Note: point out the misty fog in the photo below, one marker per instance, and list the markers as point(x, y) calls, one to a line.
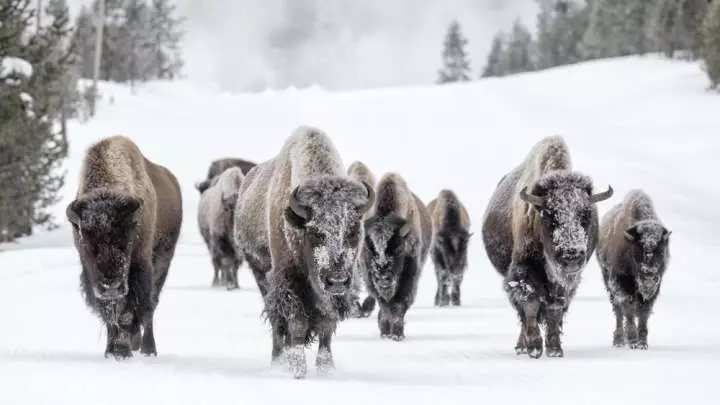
point(241, 45)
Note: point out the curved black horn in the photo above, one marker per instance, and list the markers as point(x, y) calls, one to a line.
point(298, 208)
point(531, 198)
point(370, 198)
point(72, 212)
point(602, 196)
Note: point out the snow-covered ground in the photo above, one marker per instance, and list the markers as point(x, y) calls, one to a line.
point(637, 122)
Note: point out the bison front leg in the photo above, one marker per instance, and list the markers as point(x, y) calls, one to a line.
point(397, 321)
point(279, 341)
point(619, 333)
point(442, 297)
point(631, 332)
point(643, 313)
point(144, 301)
point(384, 315)
point(298, 327)
point(324, 362)
point(554, 316)
point(118, 343)
point(455, 294)
point(524, 298)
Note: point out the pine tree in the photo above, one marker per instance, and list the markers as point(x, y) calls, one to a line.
point(617, 28)
point(113, 66)
point(677, 27)
point(711, 43)
point(519, 50)
point(496, 57)
point(31, 145)
point(83, 41)
point(664, 27)
point(136, 44)
point(691, 15)
point(456, 66)
point(165, 37)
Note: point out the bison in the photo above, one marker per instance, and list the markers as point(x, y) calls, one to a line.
point(451, 234)
point(220, 165)
point(216, 220)
point(126, 220)
point(397, 241)
point(299, 225)
point(360, 172)
point(539, 230)
point(633, 252)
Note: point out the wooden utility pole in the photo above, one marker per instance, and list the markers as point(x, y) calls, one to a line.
point(99, 26)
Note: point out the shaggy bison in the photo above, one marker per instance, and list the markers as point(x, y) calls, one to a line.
point(633, 252)
point(299, 224)
point(397, 241)
point(126, 220)
point(539, 230)
point(360, 172)
point(451, 233)
point(219, 166)
point(215, 220)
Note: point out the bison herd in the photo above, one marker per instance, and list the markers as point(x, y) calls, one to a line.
point(316, 235)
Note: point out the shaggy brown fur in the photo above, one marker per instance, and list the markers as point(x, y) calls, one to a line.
point(303, 256)
point(216, 216)
point(633, 252)
point(219, 166)
point(539, 230)
point(360, 172)
point(126, 221)
point(451, 234)
point(397, 241)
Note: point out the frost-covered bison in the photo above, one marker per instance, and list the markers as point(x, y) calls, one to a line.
point(539, 230)
point(397, 241)
point(220, 165)
point(451, 234)
point(633, 252)
point(299, 224)
point(216, 216)
point(126, 220)
point(360, 172)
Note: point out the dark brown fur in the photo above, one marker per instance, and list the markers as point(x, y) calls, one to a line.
point(220, 165)
point(451, 234)
point(540, 230)
point(633, 252)
point(126, 221)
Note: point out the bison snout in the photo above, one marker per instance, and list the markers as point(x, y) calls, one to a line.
point(110, 289)
point(572, 257)
point(338, 283)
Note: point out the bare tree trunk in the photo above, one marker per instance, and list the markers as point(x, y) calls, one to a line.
point(38, 15)
point(100, 25)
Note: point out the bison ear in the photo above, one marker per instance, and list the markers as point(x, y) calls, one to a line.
point(201, 186)
point(631, 234)
point(666, 235)
point(74, 211)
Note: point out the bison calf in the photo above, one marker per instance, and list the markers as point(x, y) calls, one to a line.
point(397, 241)
point(126, 220)
point(215, 220)
point(220, 165)
point(633, 252)
point(451, 233)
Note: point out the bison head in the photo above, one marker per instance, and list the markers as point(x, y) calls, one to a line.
point(649, 242)
point(451, 246)
point(324, 218)
point(104, 228)
point(567, 220)
point(384, 251)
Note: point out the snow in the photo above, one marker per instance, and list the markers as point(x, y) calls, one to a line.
point(632, 123)
point(10, 65)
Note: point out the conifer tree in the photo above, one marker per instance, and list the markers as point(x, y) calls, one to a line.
point(456, 66)
point(496, 57)
point(711, 43)
point(165, 36)
point(519, 50)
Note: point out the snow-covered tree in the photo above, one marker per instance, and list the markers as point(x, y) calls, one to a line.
point(518, 55)
point(456, 66)
point(136, 43)
point(83, 41)
point(165, 36)
point(32, 144)
point(617, 28)
point(711, 43)
point(664, 27)
point(676, 27)
point(561, 26)
point(494, 65)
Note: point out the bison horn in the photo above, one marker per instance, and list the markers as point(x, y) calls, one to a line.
point(297, 207)
point(407, 226)
point(72, 212)
point(370, 198)
point(531, 198)
point(602, 196)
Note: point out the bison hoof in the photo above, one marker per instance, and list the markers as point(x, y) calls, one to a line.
point(639, 346)
point(535, 352)
point(119, 353)
point(520, 350)
point(555, 352)
point(324, 362)
point(397, 338)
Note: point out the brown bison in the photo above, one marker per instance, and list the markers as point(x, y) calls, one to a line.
point(126, 220)
point(360, 172)
point(219, 166)
point(216, 219)
point(299, 224)
point(397, 241)
point(451, 234)
point(633, 252)
point(540, 230)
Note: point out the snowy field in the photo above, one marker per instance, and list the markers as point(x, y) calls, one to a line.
point(630, 123)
